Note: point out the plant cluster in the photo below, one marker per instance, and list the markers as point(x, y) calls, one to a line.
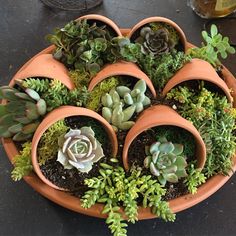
point(215, 44)
point(122, 97)
point(165, 161)
point(215, 118)
point(114, 189)
point(55, 93)
point(22, 163)
point(21, 115)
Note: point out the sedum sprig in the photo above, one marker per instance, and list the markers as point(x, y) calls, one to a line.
point(194, 179)
point(22, 162)
point(215, 45)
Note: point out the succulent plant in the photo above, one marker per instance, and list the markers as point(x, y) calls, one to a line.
point(166, 161)
point(155, 43)
point(19, 118)
point(80, 149)
point(120, 104)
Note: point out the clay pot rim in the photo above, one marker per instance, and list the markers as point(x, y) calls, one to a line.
point(185, 124)
point(218, 82)
point(178, 204)
point(164, 20)
point(103, 19)
point(127, 72)
point(60, 114)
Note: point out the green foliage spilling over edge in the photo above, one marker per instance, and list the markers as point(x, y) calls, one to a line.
point(114, 189)
point(22, 161)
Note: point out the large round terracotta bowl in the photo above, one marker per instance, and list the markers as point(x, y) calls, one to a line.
point(68, 201)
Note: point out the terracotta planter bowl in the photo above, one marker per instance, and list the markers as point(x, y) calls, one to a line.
point(59, 114)
point(73, 203)
point(121, 68)
point(160, 19)
point(163, 115)
point(45, 65)
point(197, 70)
point(104, 20)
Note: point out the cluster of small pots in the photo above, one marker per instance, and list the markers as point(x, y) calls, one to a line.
point(43, 65)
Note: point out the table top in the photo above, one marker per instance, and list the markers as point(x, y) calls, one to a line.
point(23, 211)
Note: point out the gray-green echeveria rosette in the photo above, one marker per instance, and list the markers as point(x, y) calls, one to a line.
point(79, 149)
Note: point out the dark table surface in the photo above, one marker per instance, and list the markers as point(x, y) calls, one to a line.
point(23, 25)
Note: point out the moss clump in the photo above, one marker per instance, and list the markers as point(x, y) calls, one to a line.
point(79, 77)
point(22, 162)
point(173, 33)
point(48, 144)
point(97, 93)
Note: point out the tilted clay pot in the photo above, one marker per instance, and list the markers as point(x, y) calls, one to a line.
point(197, 70)
point(45, 65)
point(121, 68)
point(59, 114)
point(160, 19)
point(103, 19)
point(163, 115)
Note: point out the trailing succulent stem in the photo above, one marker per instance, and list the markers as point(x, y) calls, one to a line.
point(115, 188)
point(166, 161)
point(133, 101)
point(20, 117)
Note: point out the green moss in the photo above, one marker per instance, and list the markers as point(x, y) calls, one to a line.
point(22, 162)
point(173, 33)
point(48, 144)
point(79, 77)
point(104, 87)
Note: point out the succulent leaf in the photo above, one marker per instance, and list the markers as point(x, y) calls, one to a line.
point(41, 107)
point(33, 94)
point(165, 162)
point(21, 137)
point(107, 113)
point(15, 128)
point(122, 90)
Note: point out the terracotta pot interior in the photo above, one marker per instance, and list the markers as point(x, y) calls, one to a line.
point(194, 84)
point(72, 122)
point(148, 137)
point(135, 35)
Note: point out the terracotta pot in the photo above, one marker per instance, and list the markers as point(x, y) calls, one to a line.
point(197, 70)
point(164, 20)
point(45, 65)
point(121, 68)
point(104, 20)
point(59, 114)
point(163, 115)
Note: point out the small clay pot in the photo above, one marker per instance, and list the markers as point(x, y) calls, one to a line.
point(46, 66)
point(59, 114)
point(160, 19)
point(121, 68)
point(197, 70)
point(103, 19)
point(163, 115)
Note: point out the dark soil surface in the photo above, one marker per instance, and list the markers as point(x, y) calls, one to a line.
point(73, 180)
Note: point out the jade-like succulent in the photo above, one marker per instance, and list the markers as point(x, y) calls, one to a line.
point(155, 43)
point(120, 104)
point(19, 118)
point(166, 161)
point(80, 149)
